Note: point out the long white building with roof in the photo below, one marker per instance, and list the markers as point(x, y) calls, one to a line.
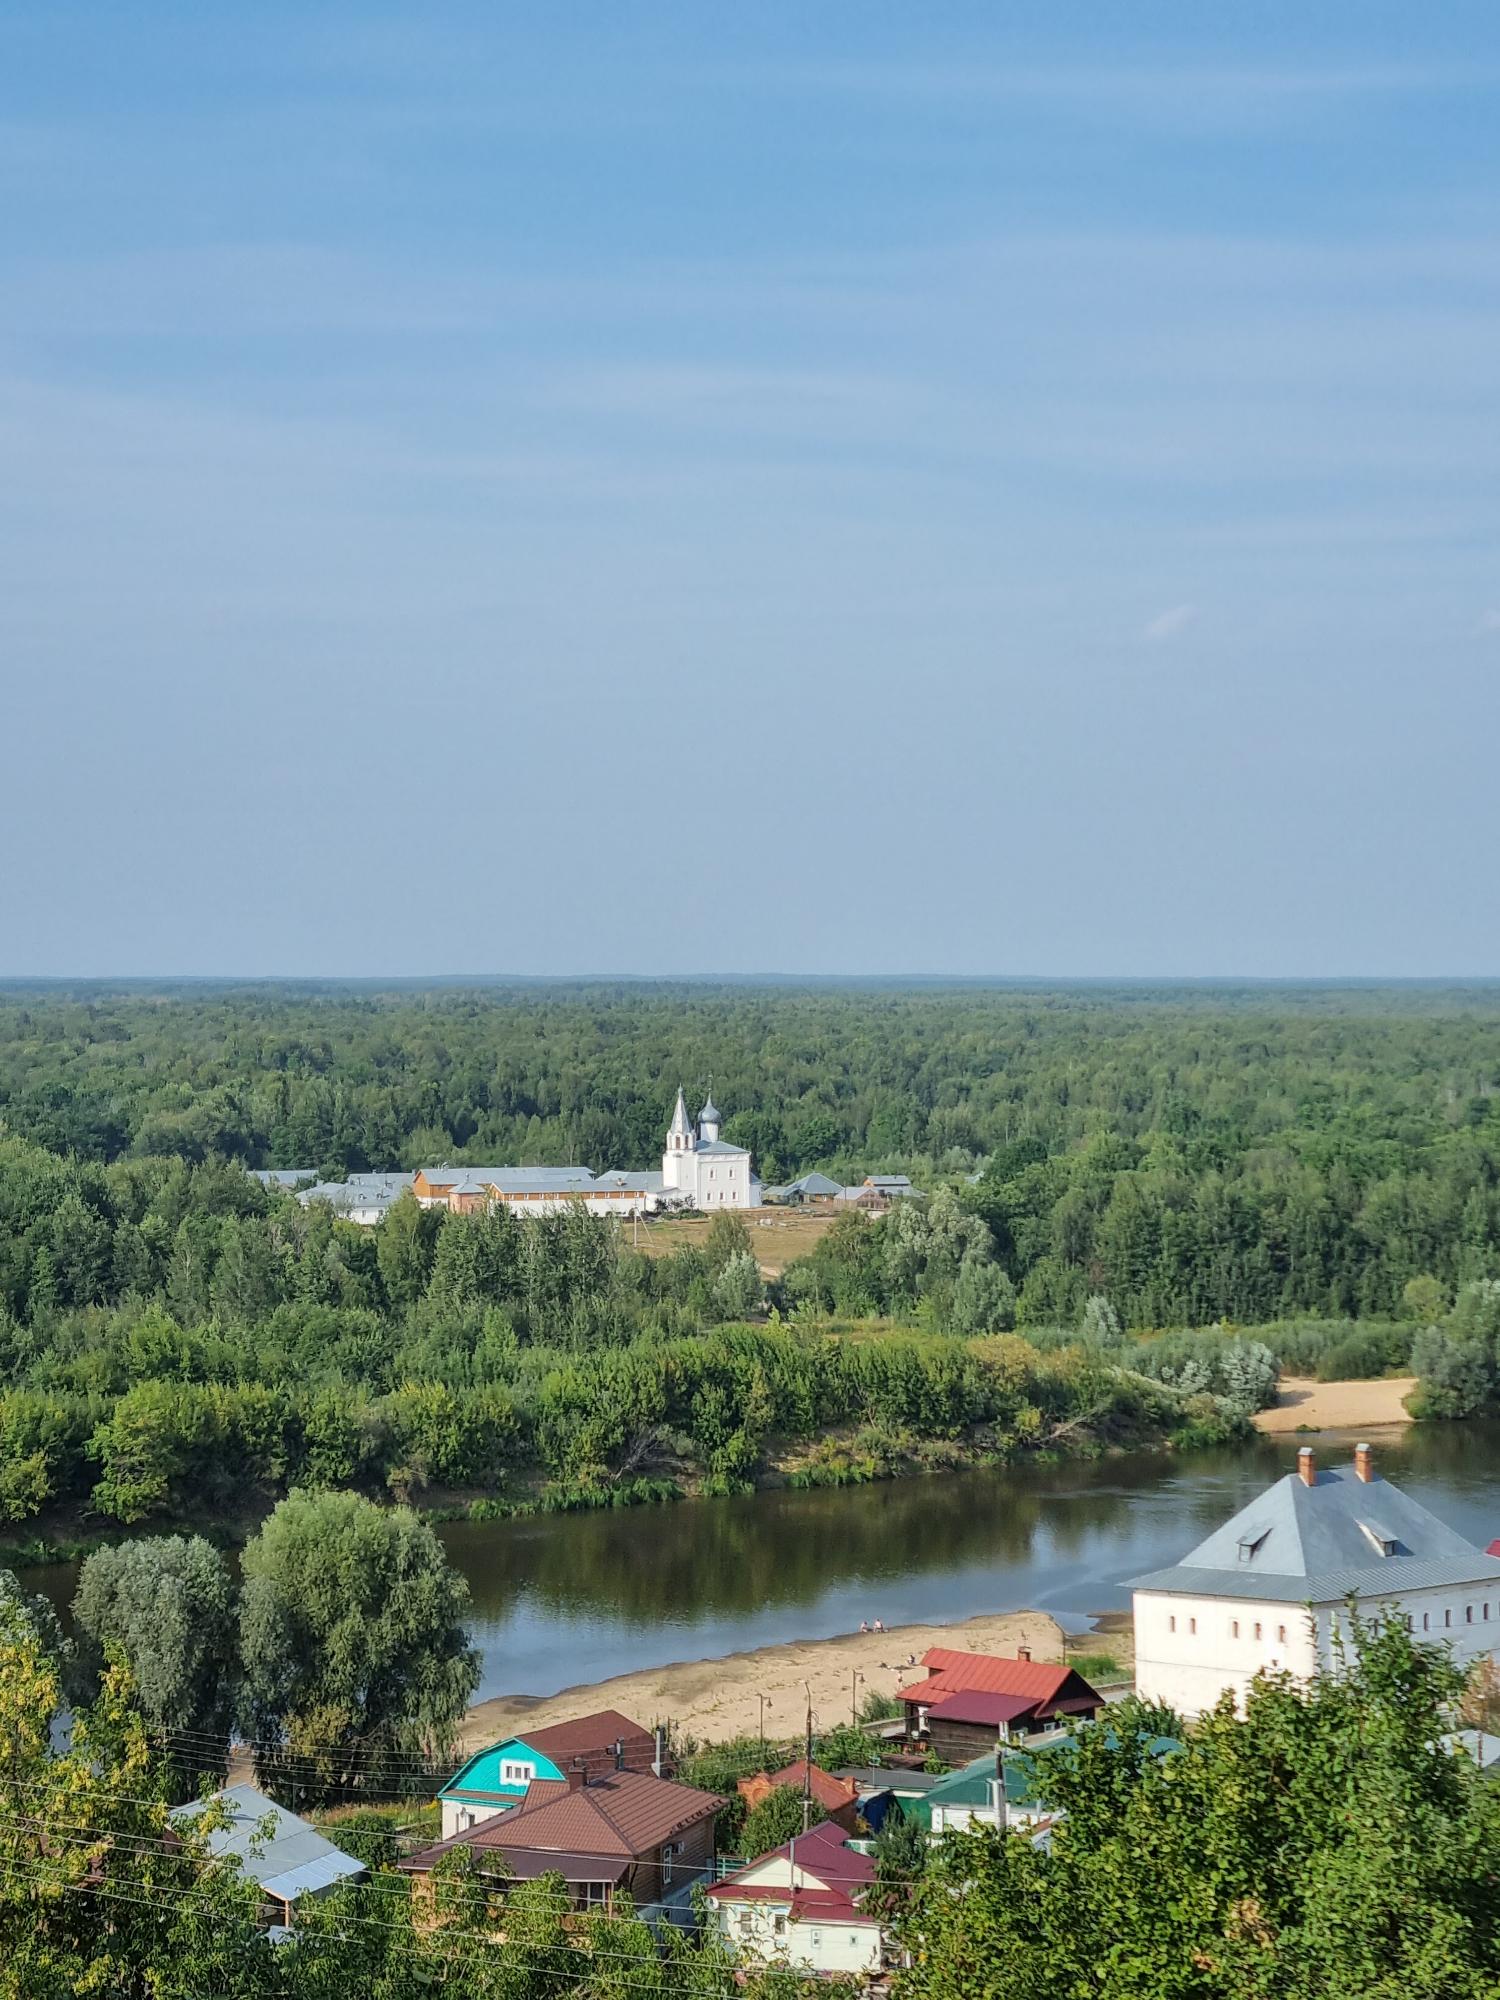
point(1268, 1590)
point(698, 1170)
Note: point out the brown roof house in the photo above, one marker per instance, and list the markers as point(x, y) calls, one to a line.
point(620, 1833)
point(837, 1796)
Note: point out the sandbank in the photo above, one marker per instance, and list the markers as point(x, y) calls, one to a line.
point(1338, 1406)
point(716, 1699)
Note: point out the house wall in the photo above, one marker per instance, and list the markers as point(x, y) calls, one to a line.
point(767, 1933)
point(647, 1879)
point(1188, 1650)
point(485, 1791)
point(959, 1742)
point(959, 1819)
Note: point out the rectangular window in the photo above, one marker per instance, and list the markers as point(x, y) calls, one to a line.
point(745, 1921)
point(594, 1895)
point(1281, 1635)
point(1468, 1614)
point(1234, 1628)
point(1193, 1626)
point(1257, 1628)
point(515, 1774)
point(1447, 1617)
point(779, 1926)
point(1172, 1621)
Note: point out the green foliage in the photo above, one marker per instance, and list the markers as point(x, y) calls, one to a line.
point(178, 1342)
point(902, 1852)
point(167, 1606)
point(100, 1894)
point(352, 1645)
point(780, 1814)
point(1324, 1844)
point(1458, 1360)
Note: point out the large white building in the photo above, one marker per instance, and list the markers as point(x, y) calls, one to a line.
point(1267, 1591)
point(703, 1167)
point(698, 1170)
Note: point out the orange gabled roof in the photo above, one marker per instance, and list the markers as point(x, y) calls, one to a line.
point(831, 1793)
point(985, 1673)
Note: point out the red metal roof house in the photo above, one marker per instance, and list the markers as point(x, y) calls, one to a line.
point(803, 1904)
point(969, 1700)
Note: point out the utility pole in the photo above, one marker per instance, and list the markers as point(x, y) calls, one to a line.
point(997, 1788)
point(855, 1677)
point(807, 1763)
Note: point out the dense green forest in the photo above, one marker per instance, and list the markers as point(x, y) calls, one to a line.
point(1322, 1165)
point(1192, 1152)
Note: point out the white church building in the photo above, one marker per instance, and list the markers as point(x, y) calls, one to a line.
point(1268, 1590)
point(703, 1170)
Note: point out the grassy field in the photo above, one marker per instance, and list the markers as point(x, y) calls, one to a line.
point(779, 1235)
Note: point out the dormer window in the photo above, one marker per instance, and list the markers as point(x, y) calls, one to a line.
point(1383, 1543)
point(1250, 1542)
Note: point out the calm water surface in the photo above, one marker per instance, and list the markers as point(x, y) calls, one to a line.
point(561, 1599)
point(567, 1598)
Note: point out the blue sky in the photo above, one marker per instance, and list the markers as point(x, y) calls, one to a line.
point(666, 488)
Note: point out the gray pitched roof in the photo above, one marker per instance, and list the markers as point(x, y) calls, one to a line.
point(721, 1146)
point(288, 1860)
point(509, 1178)
point(1339, 1537)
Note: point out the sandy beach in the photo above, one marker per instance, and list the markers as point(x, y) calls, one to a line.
point(1337, 1406)
point(716, 1699)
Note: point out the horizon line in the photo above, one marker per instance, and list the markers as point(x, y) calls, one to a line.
point(763, 976)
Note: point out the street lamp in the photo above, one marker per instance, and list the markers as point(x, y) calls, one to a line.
point(855, 1679)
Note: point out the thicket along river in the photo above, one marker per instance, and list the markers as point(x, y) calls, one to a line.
point(562, 1599)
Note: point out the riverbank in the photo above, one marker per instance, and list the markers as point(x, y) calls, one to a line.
point(1304, 1404)
point(717, 1699)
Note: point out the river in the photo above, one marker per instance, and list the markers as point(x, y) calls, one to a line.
point(561, 1599)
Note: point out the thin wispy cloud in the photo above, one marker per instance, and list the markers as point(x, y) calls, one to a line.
point(1168, 95)
point(1169, 623)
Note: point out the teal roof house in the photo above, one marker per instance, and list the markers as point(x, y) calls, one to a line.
point(496, 1779)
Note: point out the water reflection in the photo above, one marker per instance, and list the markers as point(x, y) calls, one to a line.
point(578, 1597)
point(568, 1598)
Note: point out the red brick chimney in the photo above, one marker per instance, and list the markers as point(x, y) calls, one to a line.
point(577, 1776)
point(1307, 1466)
point(1023, 1652)
point(1364, 1463)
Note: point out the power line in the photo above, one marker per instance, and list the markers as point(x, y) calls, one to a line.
point(440, 1936)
